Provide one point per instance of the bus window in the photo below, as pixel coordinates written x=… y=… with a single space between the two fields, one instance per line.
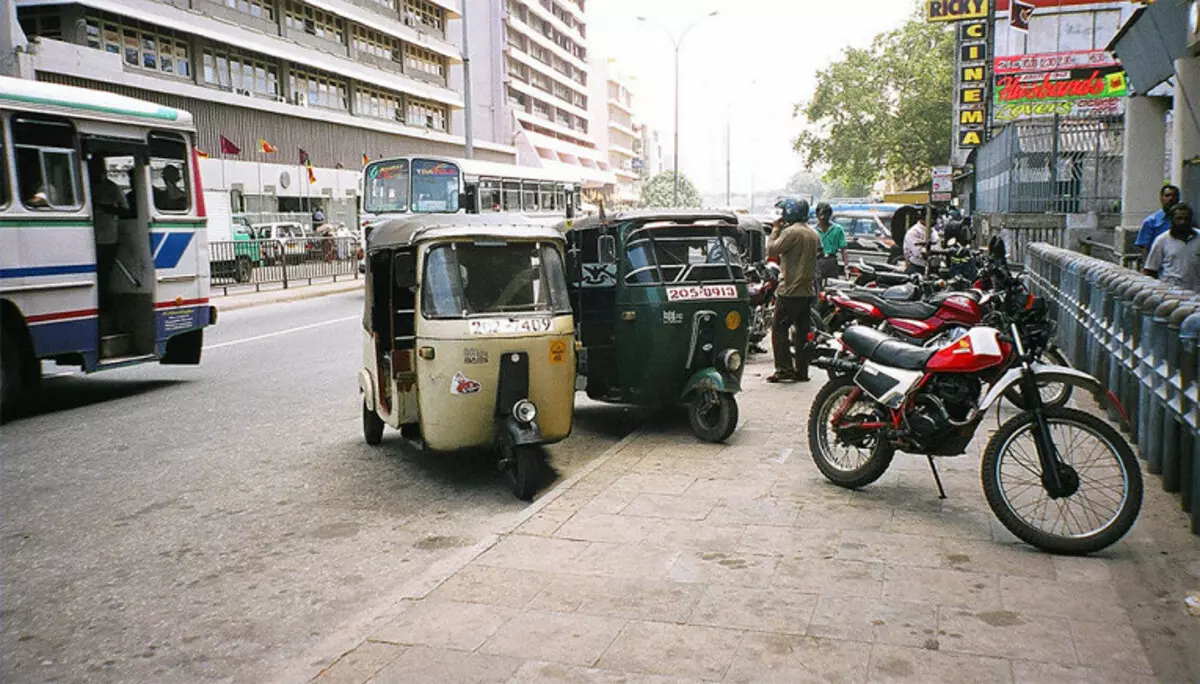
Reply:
x=546 y=196
x=386 y=187
x=489 y=195
x=434 y=186
x=47 y=168
x=512 y=196
x=529 y=196
x=168 y=172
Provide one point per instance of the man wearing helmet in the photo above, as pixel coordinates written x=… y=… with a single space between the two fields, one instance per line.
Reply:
x=797 y=247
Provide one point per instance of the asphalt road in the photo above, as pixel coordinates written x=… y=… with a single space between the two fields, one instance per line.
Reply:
x=210 y=523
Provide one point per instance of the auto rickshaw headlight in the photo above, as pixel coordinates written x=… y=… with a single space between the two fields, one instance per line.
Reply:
x=731 y=360
x=524 y=411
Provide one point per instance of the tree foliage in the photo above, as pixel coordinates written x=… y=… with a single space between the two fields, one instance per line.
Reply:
x=805 y=184
x=660 y=191
x=886 y=111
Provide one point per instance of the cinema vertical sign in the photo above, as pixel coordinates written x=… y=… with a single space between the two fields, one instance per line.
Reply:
x=972 y=69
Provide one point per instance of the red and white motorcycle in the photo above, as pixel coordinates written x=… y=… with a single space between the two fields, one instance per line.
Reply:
x=1058 y=478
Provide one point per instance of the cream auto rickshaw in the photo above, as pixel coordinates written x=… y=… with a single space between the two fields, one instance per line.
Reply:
x=469 y=338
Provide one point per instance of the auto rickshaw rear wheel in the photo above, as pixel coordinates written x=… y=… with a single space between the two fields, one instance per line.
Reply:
x=522 y=466
x=372 y=426
x=713 y=415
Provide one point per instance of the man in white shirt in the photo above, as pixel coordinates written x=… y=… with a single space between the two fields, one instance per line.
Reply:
x=914 y=246
x=1174 y=257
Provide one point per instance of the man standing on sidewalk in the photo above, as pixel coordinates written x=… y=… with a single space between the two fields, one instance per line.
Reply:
x=1174 y=257
x=1160 y=221
x=833 y=246
x=797 y=246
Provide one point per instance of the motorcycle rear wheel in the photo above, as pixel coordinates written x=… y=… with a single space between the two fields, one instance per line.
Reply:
x=870 y=461
x=1099 y=528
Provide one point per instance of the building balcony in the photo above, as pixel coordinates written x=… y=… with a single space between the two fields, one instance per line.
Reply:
x=539 y=120
x=378 y=18
x=545 y=41
x=621 y=150
x=614 y=102
x=541 y=67
x=544 y=12
x=615 y=125
x=536 y=92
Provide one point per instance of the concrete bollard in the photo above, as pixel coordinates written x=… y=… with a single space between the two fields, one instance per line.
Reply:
x=1175 y=433
x=1189 y=367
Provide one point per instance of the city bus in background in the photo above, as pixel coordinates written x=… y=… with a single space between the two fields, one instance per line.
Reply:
x=422 y=184
x=103 y=248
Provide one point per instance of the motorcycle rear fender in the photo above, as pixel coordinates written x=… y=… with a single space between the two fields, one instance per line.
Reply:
x=710 y=379
x=1050 y=373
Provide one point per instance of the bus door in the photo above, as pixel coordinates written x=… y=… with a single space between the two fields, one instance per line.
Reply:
x=116 y=180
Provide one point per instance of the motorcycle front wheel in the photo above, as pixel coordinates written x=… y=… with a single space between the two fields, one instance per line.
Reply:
x=1099 y=469
x=855 y=463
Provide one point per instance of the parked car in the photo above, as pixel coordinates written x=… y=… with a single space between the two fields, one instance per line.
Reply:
x=290 y=241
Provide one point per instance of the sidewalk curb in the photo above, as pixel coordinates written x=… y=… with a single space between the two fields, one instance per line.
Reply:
x=350 y=635
x=301 y=293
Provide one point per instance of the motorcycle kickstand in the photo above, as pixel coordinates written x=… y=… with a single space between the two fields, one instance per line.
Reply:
x=936 y=478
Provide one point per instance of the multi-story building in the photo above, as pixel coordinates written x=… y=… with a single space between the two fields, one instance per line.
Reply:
x=623 y=138
x=531 y=81
x=339 y=79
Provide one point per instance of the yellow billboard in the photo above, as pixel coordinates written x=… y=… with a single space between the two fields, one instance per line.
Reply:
x=956 y=10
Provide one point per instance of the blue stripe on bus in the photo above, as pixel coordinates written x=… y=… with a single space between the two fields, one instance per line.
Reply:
x=61 y=337
x=169 y=248
x=32 y=271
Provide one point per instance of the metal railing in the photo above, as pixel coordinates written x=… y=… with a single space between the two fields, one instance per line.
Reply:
x=1140 y=338
x=254 y=263
x=1052 y=166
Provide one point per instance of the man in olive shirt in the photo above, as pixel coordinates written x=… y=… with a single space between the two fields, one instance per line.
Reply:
x=797 y=247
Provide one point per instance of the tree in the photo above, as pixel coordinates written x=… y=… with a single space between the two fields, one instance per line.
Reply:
x=660 y=191
x=886 y=111
x=805 y=184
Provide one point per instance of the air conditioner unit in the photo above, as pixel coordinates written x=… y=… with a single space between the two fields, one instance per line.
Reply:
x=399 y=116
x=300 y=99
x=397 y=57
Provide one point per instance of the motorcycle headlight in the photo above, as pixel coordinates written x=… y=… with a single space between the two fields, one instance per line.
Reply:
x=731 y=360
x=524 y=411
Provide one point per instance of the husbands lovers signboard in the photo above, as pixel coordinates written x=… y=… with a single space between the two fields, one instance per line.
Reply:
x=1069 y=84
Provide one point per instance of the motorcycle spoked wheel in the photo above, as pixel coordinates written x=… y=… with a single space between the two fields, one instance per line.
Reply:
x=1054 y=394
x=850 y=465
x=1104 y=483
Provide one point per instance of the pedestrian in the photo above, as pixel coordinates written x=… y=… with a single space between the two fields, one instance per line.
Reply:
x=915 y=241
x=1174 y=258
x=833 y=246
x=797 y=245
x=1159 y=222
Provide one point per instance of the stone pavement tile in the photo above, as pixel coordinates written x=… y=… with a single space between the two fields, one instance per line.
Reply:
x=1079 y=600
x=829 y=577
x=809 y=489
x=536 y=672
x=919 y=666
x=1076 y=569
x=604 y=527
x=789 y=659
x=719 y=488
x=942 y=587
x=556 y=637
x=797 y=542
x=447 y=667
x=609 y=501
x=889 y=548
x=496 y=586
x=717 y=567
x=361 y=664
x=843 y=517
x=669 y=506
x=991 y=557
x=1110 y=645
x=743 y=438
x=947 y=522
x=543 y=524
x=766 y=610
x=623 y=560
x=696 y=535
x=461 y=626
x=633 y=598
x=654 y=483
x=524 y=552
x=754 y=512
x=1005 y=634
x=900 y=623
x=675 y=650
x=1045 y=673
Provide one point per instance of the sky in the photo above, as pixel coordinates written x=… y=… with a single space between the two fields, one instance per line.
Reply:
x=747 y=66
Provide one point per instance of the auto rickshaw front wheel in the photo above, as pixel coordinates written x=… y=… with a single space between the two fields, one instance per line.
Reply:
x=372 y=426
x=523 y=466
x=713 y=415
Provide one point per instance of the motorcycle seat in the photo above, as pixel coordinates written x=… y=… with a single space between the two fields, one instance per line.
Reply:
x=879 y=347
x=893 y=308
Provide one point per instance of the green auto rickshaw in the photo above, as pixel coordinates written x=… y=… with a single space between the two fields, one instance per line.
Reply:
x=661 y=311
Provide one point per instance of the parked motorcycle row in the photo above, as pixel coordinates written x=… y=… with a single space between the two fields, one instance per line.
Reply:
x=914 y=363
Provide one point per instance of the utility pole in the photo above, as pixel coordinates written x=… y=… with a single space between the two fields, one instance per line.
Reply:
x=467 y=113
x=728 y=158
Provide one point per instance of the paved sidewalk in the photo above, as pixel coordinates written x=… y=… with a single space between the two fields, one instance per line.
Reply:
x=670 y=560
x=276 y=293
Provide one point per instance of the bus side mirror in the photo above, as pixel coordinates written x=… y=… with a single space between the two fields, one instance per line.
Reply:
x=404 y=268
x=607 y=246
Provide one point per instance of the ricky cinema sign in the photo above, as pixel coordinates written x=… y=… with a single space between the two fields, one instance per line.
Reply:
x=956 y=10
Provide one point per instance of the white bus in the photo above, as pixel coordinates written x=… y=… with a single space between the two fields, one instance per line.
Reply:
x=421 y=184
x=103 y=248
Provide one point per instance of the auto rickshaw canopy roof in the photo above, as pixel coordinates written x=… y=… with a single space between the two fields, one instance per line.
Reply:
x=410 y=230
x=677 y=216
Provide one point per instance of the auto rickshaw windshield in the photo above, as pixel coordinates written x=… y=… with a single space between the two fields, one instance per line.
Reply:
x=464 y=279
x=683 y=254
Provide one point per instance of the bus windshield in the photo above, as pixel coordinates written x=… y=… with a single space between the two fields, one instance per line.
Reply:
x=434 y=186
x=683 y=254
x=386 y=187
x=463 y=279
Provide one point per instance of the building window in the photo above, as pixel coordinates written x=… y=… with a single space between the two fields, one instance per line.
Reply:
x=518 y=99
x=540 y=81
x=240 y=73
x=318 y=90
x=44 y=21
x=378 y=104
x=259 y=9
x=389 y=5
x=142 y=46
x=375 y=43
x=515 y=39
x=315 y=22
x=418 y=13
x=517 y=70
x=420 y=60
x=541 y=109
x=539 y=53
x=426 y=114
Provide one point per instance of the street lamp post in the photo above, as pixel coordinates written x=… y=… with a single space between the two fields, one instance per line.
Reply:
x=676 y=43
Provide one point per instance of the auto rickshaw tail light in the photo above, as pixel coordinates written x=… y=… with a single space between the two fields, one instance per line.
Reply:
x=426 y=353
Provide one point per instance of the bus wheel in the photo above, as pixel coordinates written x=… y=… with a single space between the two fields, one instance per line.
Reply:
x=244 y=270
x=19 y=374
